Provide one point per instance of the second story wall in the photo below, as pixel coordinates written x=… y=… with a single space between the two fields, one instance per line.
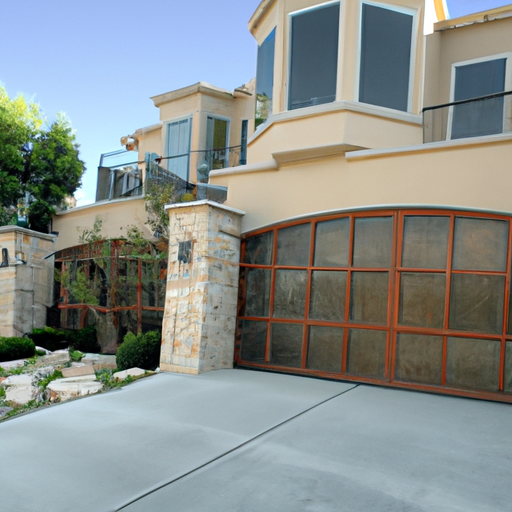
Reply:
x=360 y=61
x=463 y=40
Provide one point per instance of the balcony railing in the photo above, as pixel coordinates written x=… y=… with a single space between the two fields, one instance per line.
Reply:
x=119 y=176
x=156 y=175
x=486 y=115
x=206 y=160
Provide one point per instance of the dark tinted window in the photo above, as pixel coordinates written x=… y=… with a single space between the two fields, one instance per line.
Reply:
x=478 y=117
x=385 y=57
x=314 y=57
x=265 y=78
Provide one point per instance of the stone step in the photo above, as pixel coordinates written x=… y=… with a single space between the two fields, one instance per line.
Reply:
x=72 y=387
x=132 y=372
x=77 y=371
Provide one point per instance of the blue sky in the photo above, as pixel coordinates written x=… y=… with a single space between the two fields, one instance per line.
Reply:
x=99 y=61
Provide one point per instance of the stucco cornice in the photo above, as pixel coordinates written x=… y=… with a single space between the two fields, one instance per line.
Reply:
x=200 y=87
x=25 y=231
x=480 y=17
x=444 y=145
x=259 y=14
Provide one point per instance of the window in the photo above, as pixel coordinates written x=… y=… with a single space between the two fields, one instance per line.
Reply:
x=385 y=66
x=314 y=56
x=216 y=142
x=265 y=78
x=178 y=147
x=474 y=80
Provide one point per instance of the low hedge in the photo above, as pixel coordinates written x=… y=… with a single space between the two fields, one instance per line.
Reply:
x=52 y=339
x=16 y=348
x=141 y=350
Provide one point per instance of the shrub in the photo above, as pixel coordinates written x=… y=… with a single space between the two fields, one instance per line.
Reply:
x=54 y=339
x=50 y=338
x=85 y=340
x=142 y=351
x=16 y=348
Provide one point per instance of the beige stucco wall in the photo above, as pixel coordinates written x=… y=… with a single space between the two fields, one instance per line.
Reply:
x=473 y=173
x=277 y=14
x=449 y=46
x=197 y=102
x=344 y=121
x=116 y=217
x=355 y=124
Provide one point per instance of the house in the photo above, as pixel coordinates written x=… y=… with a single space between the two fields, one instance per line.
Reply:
x=200 y=129
x=376 y=240
x=367 y=237
x=109 y=284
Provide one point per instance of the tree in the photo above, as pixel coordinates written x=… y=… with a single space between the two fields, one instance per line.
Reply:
x=39 y=164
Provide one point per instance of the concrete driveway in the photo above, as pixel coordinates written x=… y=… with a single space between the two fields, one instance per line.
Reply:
x=239 y=440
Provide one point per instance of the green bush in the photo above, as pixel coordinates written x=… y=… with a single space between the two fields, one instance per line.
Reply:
x=54 y=339
x=16 y=348
x=50 y=338
x=85 y=340
x=142 y=351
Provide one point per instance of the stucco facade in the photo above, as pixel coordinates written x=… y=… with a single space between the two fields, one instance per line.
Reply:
x=338 y=174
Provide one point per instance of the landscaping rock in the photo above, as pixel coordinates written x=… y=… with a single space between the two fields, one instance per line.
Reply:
x=19 y=389
x=9 y=365
x=5 y=410
x=42 y=373
x=100 y=361
x=42 y=349
x=71 y=387
x=56 y=358
x=132 y=372
x=77 y=371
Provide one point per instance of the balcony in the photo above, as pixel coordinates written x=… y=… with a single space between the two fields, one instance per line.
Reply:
x=486 y=115
x=119 y=176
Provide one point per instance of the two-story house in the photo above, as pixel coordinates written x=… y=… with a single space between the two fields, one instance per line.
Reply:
x=377 y=231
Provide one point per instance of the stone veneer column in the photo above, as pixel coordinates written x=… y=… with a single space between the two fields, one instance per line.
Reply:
x=26 y=282
x=198 y=331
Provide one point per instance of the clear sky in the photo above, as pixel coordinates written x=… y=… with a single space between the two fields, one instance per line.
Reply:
x=99 y=61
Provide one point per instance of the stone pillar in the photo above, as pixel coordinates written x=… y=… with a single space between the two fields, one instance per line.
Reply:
x=198 y=331
x=26 y=279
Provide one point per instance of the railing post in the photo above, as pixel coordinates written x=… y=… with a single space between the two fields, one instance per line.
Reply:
x=243 y=149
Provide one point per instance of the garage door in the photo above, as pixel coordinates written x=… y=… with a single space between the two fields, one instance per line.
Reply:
x=405 y=298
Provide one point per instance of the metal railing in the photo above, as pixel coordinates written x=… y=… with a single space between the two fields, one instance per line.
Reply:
x=207 y=160
x=476 y=117
x=157 y=176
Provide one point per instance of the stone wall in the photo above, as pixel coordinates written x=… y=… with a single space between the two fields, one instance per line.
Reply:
x=26 y=282
x=199 y=323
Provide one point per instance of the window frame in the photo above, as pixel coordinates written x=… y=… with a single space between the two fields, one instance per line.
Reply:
x=289 y=57
x=507 y=100
x=412 y=62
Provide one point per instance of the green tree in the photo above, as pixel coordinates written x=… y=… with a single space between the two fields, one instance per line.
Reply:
x=39 y=164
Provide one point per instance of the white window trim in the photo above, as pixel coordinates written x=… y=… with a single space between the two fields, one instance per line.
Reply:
x=507 y=104
x=412 y=64
x=289 y=63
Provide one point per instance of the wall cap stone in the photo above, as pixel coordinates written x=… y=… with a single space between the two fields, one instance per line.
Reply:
x=208 y=202
x=36 y=234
